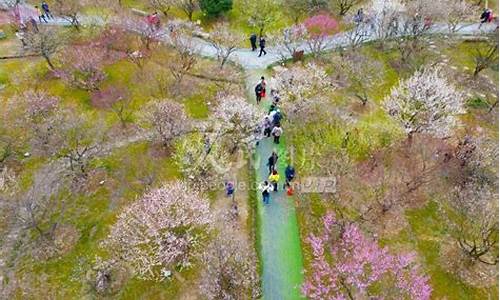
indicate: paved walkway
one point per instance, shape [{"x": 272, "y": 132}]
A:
[{"x": 280, "y": 249}]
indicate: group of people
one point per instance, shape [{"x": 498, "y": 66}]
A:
[
  {"x": 44, "y": 12},
  {"x": 271, "y": 124},
  {"x": 271, "y": 184},
  {"x": 262, "y": 44}
]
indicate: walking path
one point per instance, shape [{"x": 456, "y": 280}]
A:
[{"x": 280, "y": 250}]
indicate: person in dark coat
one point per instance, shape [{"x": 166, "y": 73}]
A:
[
  {"x": 262, "y": 45},
  {"x": 253, "y": 41},
  {"x": 272, "y": 161},
  {"x": 289, "y": 175}
]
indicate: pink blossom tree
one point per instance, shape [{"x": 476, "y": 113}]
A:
[
  {"x": 346, "y": 265},
  {"x": 82, "y": 67},
  {"x": 319, "y": 28},
  {"x": 160, "y": 231}
]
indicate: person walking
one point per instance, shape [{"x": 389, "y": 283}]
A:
[
  {"x": 262, "y": 45},
  {"x": 277, "y": 117},
  {"x": 46, "y": 10},
  {"x": 289, "y": 175},
  {"x": 274, "y": 178},
  {"x": 229, "y": 188},
  {"x": 266, "y": 189},
  {"x": 485, "y": 16},
  {"x": 272, "y": 161},
  {"x": 267, "y": 126},
  {"x": 258, "y": 92},
  {"x": 253, "y": 41},
  {"x": 277, "y": 132},
  {"x": 41, "y": 15}
]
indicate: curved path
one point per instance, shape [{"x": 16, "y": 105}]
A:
[{"x": 280, "y": 249}]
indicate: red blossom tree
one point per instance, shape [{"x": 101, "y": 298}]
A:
[
  {"x": 346, "y": 264},
  {"x": 319, "y": 28}
]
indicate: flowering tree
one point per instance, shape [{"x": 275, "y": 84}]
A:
[
  {"x": 45, "y": 42},
  {"x": 81, "y": 140},
  {"x": 234, "y": 122},
  {"x": 319, "y": 28},
  {"x": 291, "y": 40},
  {"x": 361, "y": 72},
  {"x": 82, "y": 67},
  {"x": 224, "y": 41},
  {"x": 301, "y": 87},
  {"x": 69, "y": 10},
  {"x": 455, "y": 12},
  {"x": 202, "y": 161},
  {"x": 37, "y": 111},
  {"x": 425, "y": 103},
  {"x": 147, "y": 32},
  {"x": 473, "y": 218},
  {"x": 160, "y": 231},
  {"x": 486, "y": 56},
  {"x": 346, "y": 264},
  {"x": 169, "y": 120},
  {"x": 230, "y": 271},
  {"x": 383, "y": 16},
  {"x": 114, "y": 98}
]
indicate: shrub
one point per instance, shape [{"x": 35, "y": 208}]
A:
[{"x": 214, "y": 8}]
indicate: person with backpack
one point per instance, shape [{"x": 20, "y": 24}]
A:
[
  {"x": 262, "y": 45},
  {"x": 277, "y": 132},
  {"x": 274, "y": 178},
  {"x": 277, "y": 117},
  {"x": 266, "y": 189},
  {"x": 258, "y": 92},
  {"x": 46, "y": 10},
  {"x": 272, "y": 161},
  {"x": 253, "y": 41},
  {"x": 289, "y": 175}
]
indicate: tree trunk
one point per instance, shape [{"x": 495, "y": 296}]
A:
[{"x": 49, "y": 62}]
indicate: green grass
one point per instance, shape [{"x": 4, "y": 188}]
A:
[
  {"x": 427, "y": 230},
  {"x": 196, "y": 106}
]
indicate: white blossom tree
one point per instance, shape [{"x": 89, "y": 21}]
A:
[
  {"x": 425, "y": 103},
  {"x": 456, "y": 13},
  {"x": 230, "y": 269},
  {"x": 383, "y": 16},
  {"x": 236, "y": 119},
  {"x": 168, "y": 119},
  {"x": 160, "y": 231},
  {"x": 301, "y": 87},
  {"x": 224, "y": 41},
  {"x": 290, "y": 41}
]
